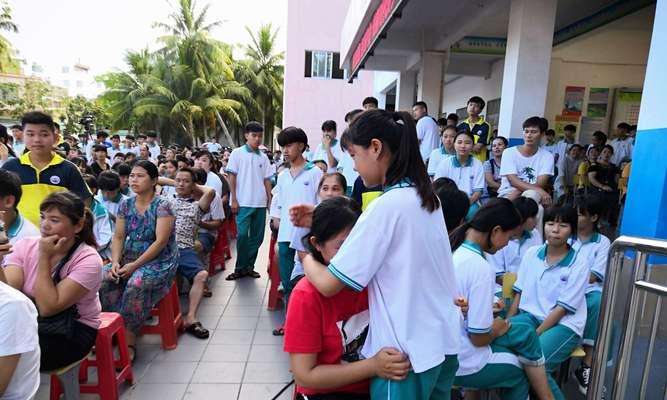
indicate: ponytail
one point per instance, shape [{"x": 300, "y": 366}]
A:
[
  {"x": 458, "y": 235},
  {"x": 497, "y": 212},
  {"x": 398, "y": 133},
  {"x": 87, "y": 235}
]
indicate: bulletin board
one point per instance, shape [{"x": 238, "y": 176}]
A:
[{"x": 626, "y": 106}]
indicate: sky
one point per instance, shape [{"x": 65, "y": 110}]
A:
[{"x": 97, "y": 33}]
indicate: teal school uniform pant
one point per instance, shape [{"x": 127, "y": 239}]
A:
[
  {"x": 502, "y": 372},
  {"x": 558, "y": 342},
  {"x": 250, "y": 223},
  {"x": 593, "y": 300},
  {"x": 433, "y": 384},
  {"x": 285, "y": 266}
]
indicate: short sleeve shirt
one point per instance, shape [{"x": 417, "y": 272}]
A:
[
  {"x": 295, "y": 190},
  {"x": 320, "y": 154},
  {"x": 436, "y": 157},
  {"x": 428, "y": 135},
  {"x": 84, "y": 268},
  {"x": 251, "y": 168},
  {"x": 527, "y": 169},
  {"x": 469, "y": 177},
  {"x": 188, "y": 214},
  {"x": 419, "y": 316},
  {"x": 20, "y": 229},
  {"x": 596, "y": 251}
]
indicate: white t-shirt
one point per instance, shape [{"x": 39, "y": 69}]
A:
[
  {"x": 213, "y": 180},
  {"x": 436, "y": 157},
  {"x": 321, "y": 154},
  {"x": 251, "y": 168},
  {"x": 596, "y": 251},
  {"x": 213, "y": 147},
  {"x": 469, "y": 177},
  {"x": 154, "y": 150},
  {"x": 527, "y": 169},
  {"x": 346, "y": 167},
  {"x": 475, "y": 281},
  {"x": 508, "y": 259},
  {"x": 544, "y": 287},
  {"x": 295, "y": 190},
  {"x": 428, "y": 136},
  {"x": 622, "y": 150},
  {"x": 411, "y": 284},
  {"x": 216, "y": 212},
  {"x": 21, "y": 228},
  {"x": 18, "y": 335}
]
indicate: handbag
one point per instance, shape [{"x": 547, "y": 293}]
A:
[{"x": 64, "y": 322}]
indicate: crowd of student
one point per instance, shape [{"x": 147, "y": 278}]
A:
[{"x": 406, "y": 230}]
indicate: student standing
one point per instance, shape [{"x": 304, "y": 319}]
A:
[
  {"x": 622, "y": 144},
  {"x": 420, "y": 317},
  {"x": 550, "y": 290},
  {"x": 465, "y": 170},
  {"x": 250, "y": 192},
  {"x": 329, "y": 150},
  {"x": 445, "y": 150},
  {"x": 427, "y": 130},
  {"x": 527, "y": 167},
  {"x": 593, "y": 246},
  {"x": 475, "y": 124}
]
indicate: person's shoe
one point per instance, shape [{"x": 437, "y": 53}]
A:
[{"x": 583, "y": 376}]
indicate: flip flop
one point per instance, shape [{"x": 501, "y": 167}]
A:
[
  {"x": 279, "y": 331},
  {"x": 207, "y": 293},
  {"x": 234, "y": 276},
  {"x": 197, "y": 330},
  {"x": 253, "y": 274}
]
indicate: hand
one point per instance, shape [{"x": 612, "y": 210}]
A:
[
  {"x": 607, "y": 188},
  {"x": 462, "y": 303},
  {"x": 545, "y": 198},
  {"x": 199, "y": 248},
  {"x": 114, "y": 272},
  {"x": 498, "y": 305},
  {"x": 477, "y": 147},
  {"x": 52, "y": 245},
  {"x": 235, "y": 206},
  {"x": 326, "y": 142},
  {"x": 4, "y": 151},
  {"x": 301, "y": 215},
  {"x": 126, "y": 270},
  {"x": 500, "y": 326},
  {"x": 391, "y": 364},
  {"x": 5, "y": 249}
]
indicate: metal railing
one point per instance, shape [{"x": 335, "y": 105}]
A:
[{"x": 627, "y": 288}]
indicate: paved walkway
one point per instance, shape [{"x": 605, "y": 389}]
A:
[{"x": 241, "y": 359}]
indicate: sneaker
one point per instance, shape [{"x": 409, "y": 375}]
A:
[{"x": 582, "y": 375}]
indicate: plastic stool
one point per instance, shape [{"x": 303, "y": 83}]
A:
[
  {"x": 221, "y": 250},
  {"x": 64, "y": 381},
  {"x": 274, "y": 276},
  {"x": 170, "y": 321}
]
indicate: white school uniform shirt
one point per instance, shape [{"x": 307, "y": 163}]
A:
[
  {"x": 213, "y": 180},
  {"x": 18, "y": 335},
  {"x": 428, "y": 135},
  {"x": 469, "y": 177},
  {"x": 411, "y": 284},
  {"x": 251, "y": 169},
  {"x": 475, "y": 281},
  {"x": 154, "y": 150},
  {"x": 321, "y": 154},
  {"x": 596, "y": 251},
  {"x": 527, "y": 169},
  {"x": 436, "y": 157},
  {"x": 274, "y": 209},
  {"x": 292, "y": 190},
  {"x": 296, "y": 243},
  {"x": 215, "y": 212},
  {"x": 544, "y": 287},
  {"x": 622, "y": 150},
  {"x": 508, "y": 259},
  {"x": 346, "y": 167},
  {"x": 112, "y": 205},
  {"x": 20, "y": 229},
  {"x": 111, "y": 152}
]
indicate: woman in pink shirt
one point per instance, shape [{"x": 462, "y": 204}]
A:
[{"x": 66, "y": 227}]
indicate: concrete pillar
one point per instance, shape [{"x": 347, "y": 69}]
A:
[
  {"x": 645, "y": 212},
  {"x": 405, "y": 90},
  {"x": 431, "y": 75},
  {"x": 527, "y": 60}
]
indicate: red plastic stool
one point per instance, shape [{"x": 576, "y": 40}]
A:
[
  {"x": 274, "y": 277},
  {"x": 111, "y": 372},
  {"x": 170, "y": 321},
  {"x": 232, "y": 227},
  {"x": 221, "y": 250}
]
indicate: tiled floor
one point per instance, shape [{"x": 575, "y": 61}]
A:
[{"x": 241, "y": 359}]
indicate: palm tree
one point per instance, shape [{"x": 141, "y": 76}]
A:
[
  {"x": 7, "y": 61},
  {"x": 267, "y": 83}
]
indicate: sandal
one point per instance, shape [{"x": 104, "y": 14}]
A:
[
  {"x": 279, "y": 331},
  {"x": 234, "y": 276},
  {"x": 197, "y": 330},
  {"x": 253, "y": 274},
  {"x": 207, "y": 292}
]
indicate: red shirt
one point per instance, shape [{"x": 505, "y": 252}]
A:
[{"x": 311, "y": 327}]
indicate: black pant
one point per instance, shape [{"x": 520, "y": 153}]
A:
[
  {"x": 58, "y": 351},
  {"x": 336, "y": 396}
]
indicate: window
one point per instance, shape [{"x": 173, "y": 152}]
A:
[{"x": 323, "y": 64}]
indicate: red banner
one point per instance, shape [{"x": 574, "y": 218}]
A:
[{"x": 380, "y": 17}]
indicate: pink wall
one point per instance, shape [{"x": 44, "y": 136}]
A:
[{"x": 316, "y": 25}]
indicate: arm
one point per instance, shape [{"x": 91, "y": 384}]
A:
[
  {"x": 232, "y": 193},
  {"x": 7, "y": 367},
  {"x": 552, "y": 319},
  {"x": 514, "y": 308},
  {"x": 595, "y": 183},
  {"x": 118, "y": 241},
  {"x": 500, "y": 327},
  {"x": 475, "y": 196},
  {"x": 325, "y": 283},
  {"x": 49, "y": 298},
  {"x": 207, "y": 196},
  {"x": 162, "y": 233},
  {"x": 331, "y": 160},
  {"x": 490, "y": 182},
  {"x": 267, "y": 188},
  {"x": 542, "y": 181}
]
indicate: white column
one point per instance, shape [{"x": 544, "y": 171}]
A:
[
  {"x": 431, "y": 74},
  {"x": 527, "y": 60},
  {"x": 405, "y": 90}
]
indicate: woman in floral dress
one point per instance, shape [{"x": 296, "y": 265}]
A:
[{"x": 144, "y": 253}]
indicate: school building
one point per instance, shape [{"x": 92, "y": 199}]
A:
[{"x": 592, "y": 63}]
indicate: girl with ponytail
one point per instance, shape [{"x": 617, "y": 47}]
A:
[
  {"x": 493, "y": 349},
  {"x": 59, "y": 269},
  {"x": 390, "y": 250}
]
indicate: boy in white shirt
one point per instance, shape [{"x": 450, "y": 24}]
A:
[
  {"x": 250, "y": 194},
  {"x": 527, "y": 167},
  {"x": 16, "y": 226},
  {"x": 329, "y": 150},
  {"x": 109, "y": 194},
  {"x": 622, "y": 144},
  {"x": 427, "y": 130}
]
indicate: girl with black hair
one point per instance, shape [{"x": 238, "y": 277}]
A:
[
  {"x": 495, "y": 353},
  {"x": 550, "y": 289},
  {"x": 312, "y": 335},
  {"x": 593, "y": 246},
  {"x": 390, "y": 250},
  {"x": 464, "y": 169}
]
